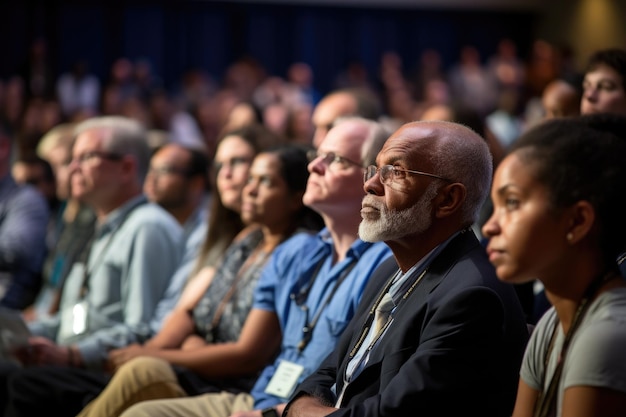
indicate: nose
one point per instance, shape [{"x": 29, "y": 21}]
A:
[
  {"x": 225, "y": 171},
  {"x": 590, "y": 94},
  {"x": 374, "y": 186},
  {"x": 316, "y": 166},
  {"x": 251, "y": 188},
  {"x": 73, "y": 166},
  {"x": 491, "y": 227}
]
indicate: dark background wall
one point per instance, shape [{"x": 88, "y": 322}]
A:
[{"x": 175, "y": 36}]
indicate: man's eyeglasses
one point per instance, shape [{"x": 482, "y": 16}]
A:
[
  {"x": 88, "y": 156},
  {"x": 331, "y": 159},
  {"x": 391, "y": 173}
]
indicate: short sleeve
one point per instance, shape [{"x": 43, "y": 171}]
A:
[
  {"x": 533, "y": 365},
  {"x": 596, "y": 357}
]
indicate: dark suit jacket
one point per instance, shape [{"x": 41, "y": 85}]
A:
[{"x": 454, "y": 347}]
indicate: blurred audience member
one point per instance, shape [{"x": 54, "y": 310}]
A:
[
  {"x": 342, "y": 103},
  {"x": 24, "y": 217},
  {"x": 78, "y": 91},
  {"x": 471, "y": 83},
  {"x": 507, "y": 68},
  {"x": 181, "y": 126},
  {"x": 604, "y": 86},
  {"x": 74, "y": 224},
  {"x": 562, "y": 97}
]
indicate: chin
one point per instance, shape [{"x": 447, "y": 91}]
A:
[
  {"x": 513, "y": 277},
  {"x": 367, "y": 232}
]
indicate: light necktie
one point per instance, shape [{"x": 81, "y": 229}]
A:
[{"x": 381, "y": 316}]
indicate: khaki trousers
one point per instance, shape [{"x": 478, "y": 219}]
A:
[
  {"x": 221, "y": 404},
  {"x": 138, "y": 380}
]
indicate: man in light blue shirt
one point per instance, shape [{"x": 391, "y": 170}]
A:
[
  {"x": 109, "y": 299},
  {"x": 177, "y": 180},
  {"x": 306, "y": 294}
]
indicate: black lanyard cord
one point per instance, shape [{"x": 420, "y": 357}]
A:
[{"x": 307, "y": 330}]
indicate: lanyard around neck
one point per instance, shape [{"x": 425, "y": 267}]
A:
[
  {"x": 84, "y": 287},
  {"x": 546, "y": 402},
  {"x": 307, "y": 330}
]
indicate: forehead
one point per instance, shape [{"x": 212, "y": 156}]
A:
[
  {"x": 266, "y": 163},
  {"x": 344, "y": 140},
  {"x": 515, "y": 171},
  {"x": 602, "y": 71},
  {"x": 232, "y": 146},
  {"x": 170, "y": 154},
  {"x": 332, "y": 107},
  {"x": 408, "y": 143},
  {"x": 92, "y": 139}
]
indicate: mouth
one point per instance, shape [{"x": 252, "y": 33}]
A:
[
  {"x": 311, "y": 183},
  {"x": 369, "y": 212},
  {"x": 495, "y": 255}
]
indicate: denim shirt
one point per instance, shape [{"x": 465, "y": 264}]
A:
[{"x": 290, "y": 271}]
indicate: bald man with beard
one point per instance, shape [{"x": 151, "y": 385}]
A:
[{"x": 443, "y": 337}]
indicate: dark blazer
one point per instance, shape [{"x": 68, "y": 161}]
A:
[{"x": 454, "y": 347}]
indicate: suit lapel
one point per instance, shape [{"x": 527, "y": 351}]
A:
[{"x": 434, "y": 275}]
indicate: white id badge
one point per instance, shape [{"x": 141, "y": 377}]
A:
[
  {"x": 285, "y": 379},
  {"x": 74, "y": 320}
]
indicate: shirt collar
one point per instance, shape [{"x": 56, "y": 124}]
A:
[
  {"x": 117, "y": 216},
  {"x": 356, "y": 250}
]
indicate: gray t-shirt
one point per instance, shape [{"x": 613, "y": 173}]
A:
[{"x": 597, "y": 353}]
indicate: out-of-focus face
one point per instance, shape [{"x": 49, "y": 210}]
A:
[
  {"x": 327, "y": 111},
  {"x": 335, "y": 185},
  {"x": 59, "y": 158},
  {"x": 603, "y": 92},
  {"x": 559, "y": 99},
  {"x": 402, "y": 206},
  {"x": 167, "y": 182},
  {"x": 35, "y": 175},
  {"x": 232, "y": 163},
  {"x": 527, "y": 236},
  {"x": 95, "y": 172},
  {"x": 267, "y": 199}
]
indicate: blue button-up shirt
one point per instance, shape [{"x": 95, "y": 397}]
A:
[{"x": 289, "y": 272}]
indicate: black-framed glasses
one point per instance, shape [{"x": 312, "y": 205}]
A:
[
  {"x": 88, "y": 156},
  {"x": 391, "y": 173},
  {"x": 331, "y": 159}
]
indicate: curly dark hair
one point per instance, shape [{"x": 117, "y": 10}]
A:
[
  {"x": 613, "y": 57},
  {"x": 582, "y": 158}
]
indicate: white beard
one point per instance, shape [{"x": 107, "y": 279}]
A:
[{"x": 393, "y": 224}]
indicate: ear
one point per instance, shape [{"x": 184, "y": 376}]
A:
[
  {"x": 582, "y": 218},
  {"x": 449, "y": 200},
  {"x": 129, "y": 168}
]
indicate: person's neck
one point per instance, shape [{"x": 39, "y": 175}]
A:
[
  {"x": 104, "y": 209},
  {"x": 182, "y": 213},
  {"x": 343, "y": 233},
  {"x": 567, "y": 284},
  {"x": 72, "y": 207},
  {"x": 272, "y": 238},
  {"x": 409, "y": 250}
]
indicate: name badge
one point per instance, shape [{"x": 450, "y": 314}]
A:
[
  {"x": 285, "y": 379},
  {"x": 74, "y": 320}
]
